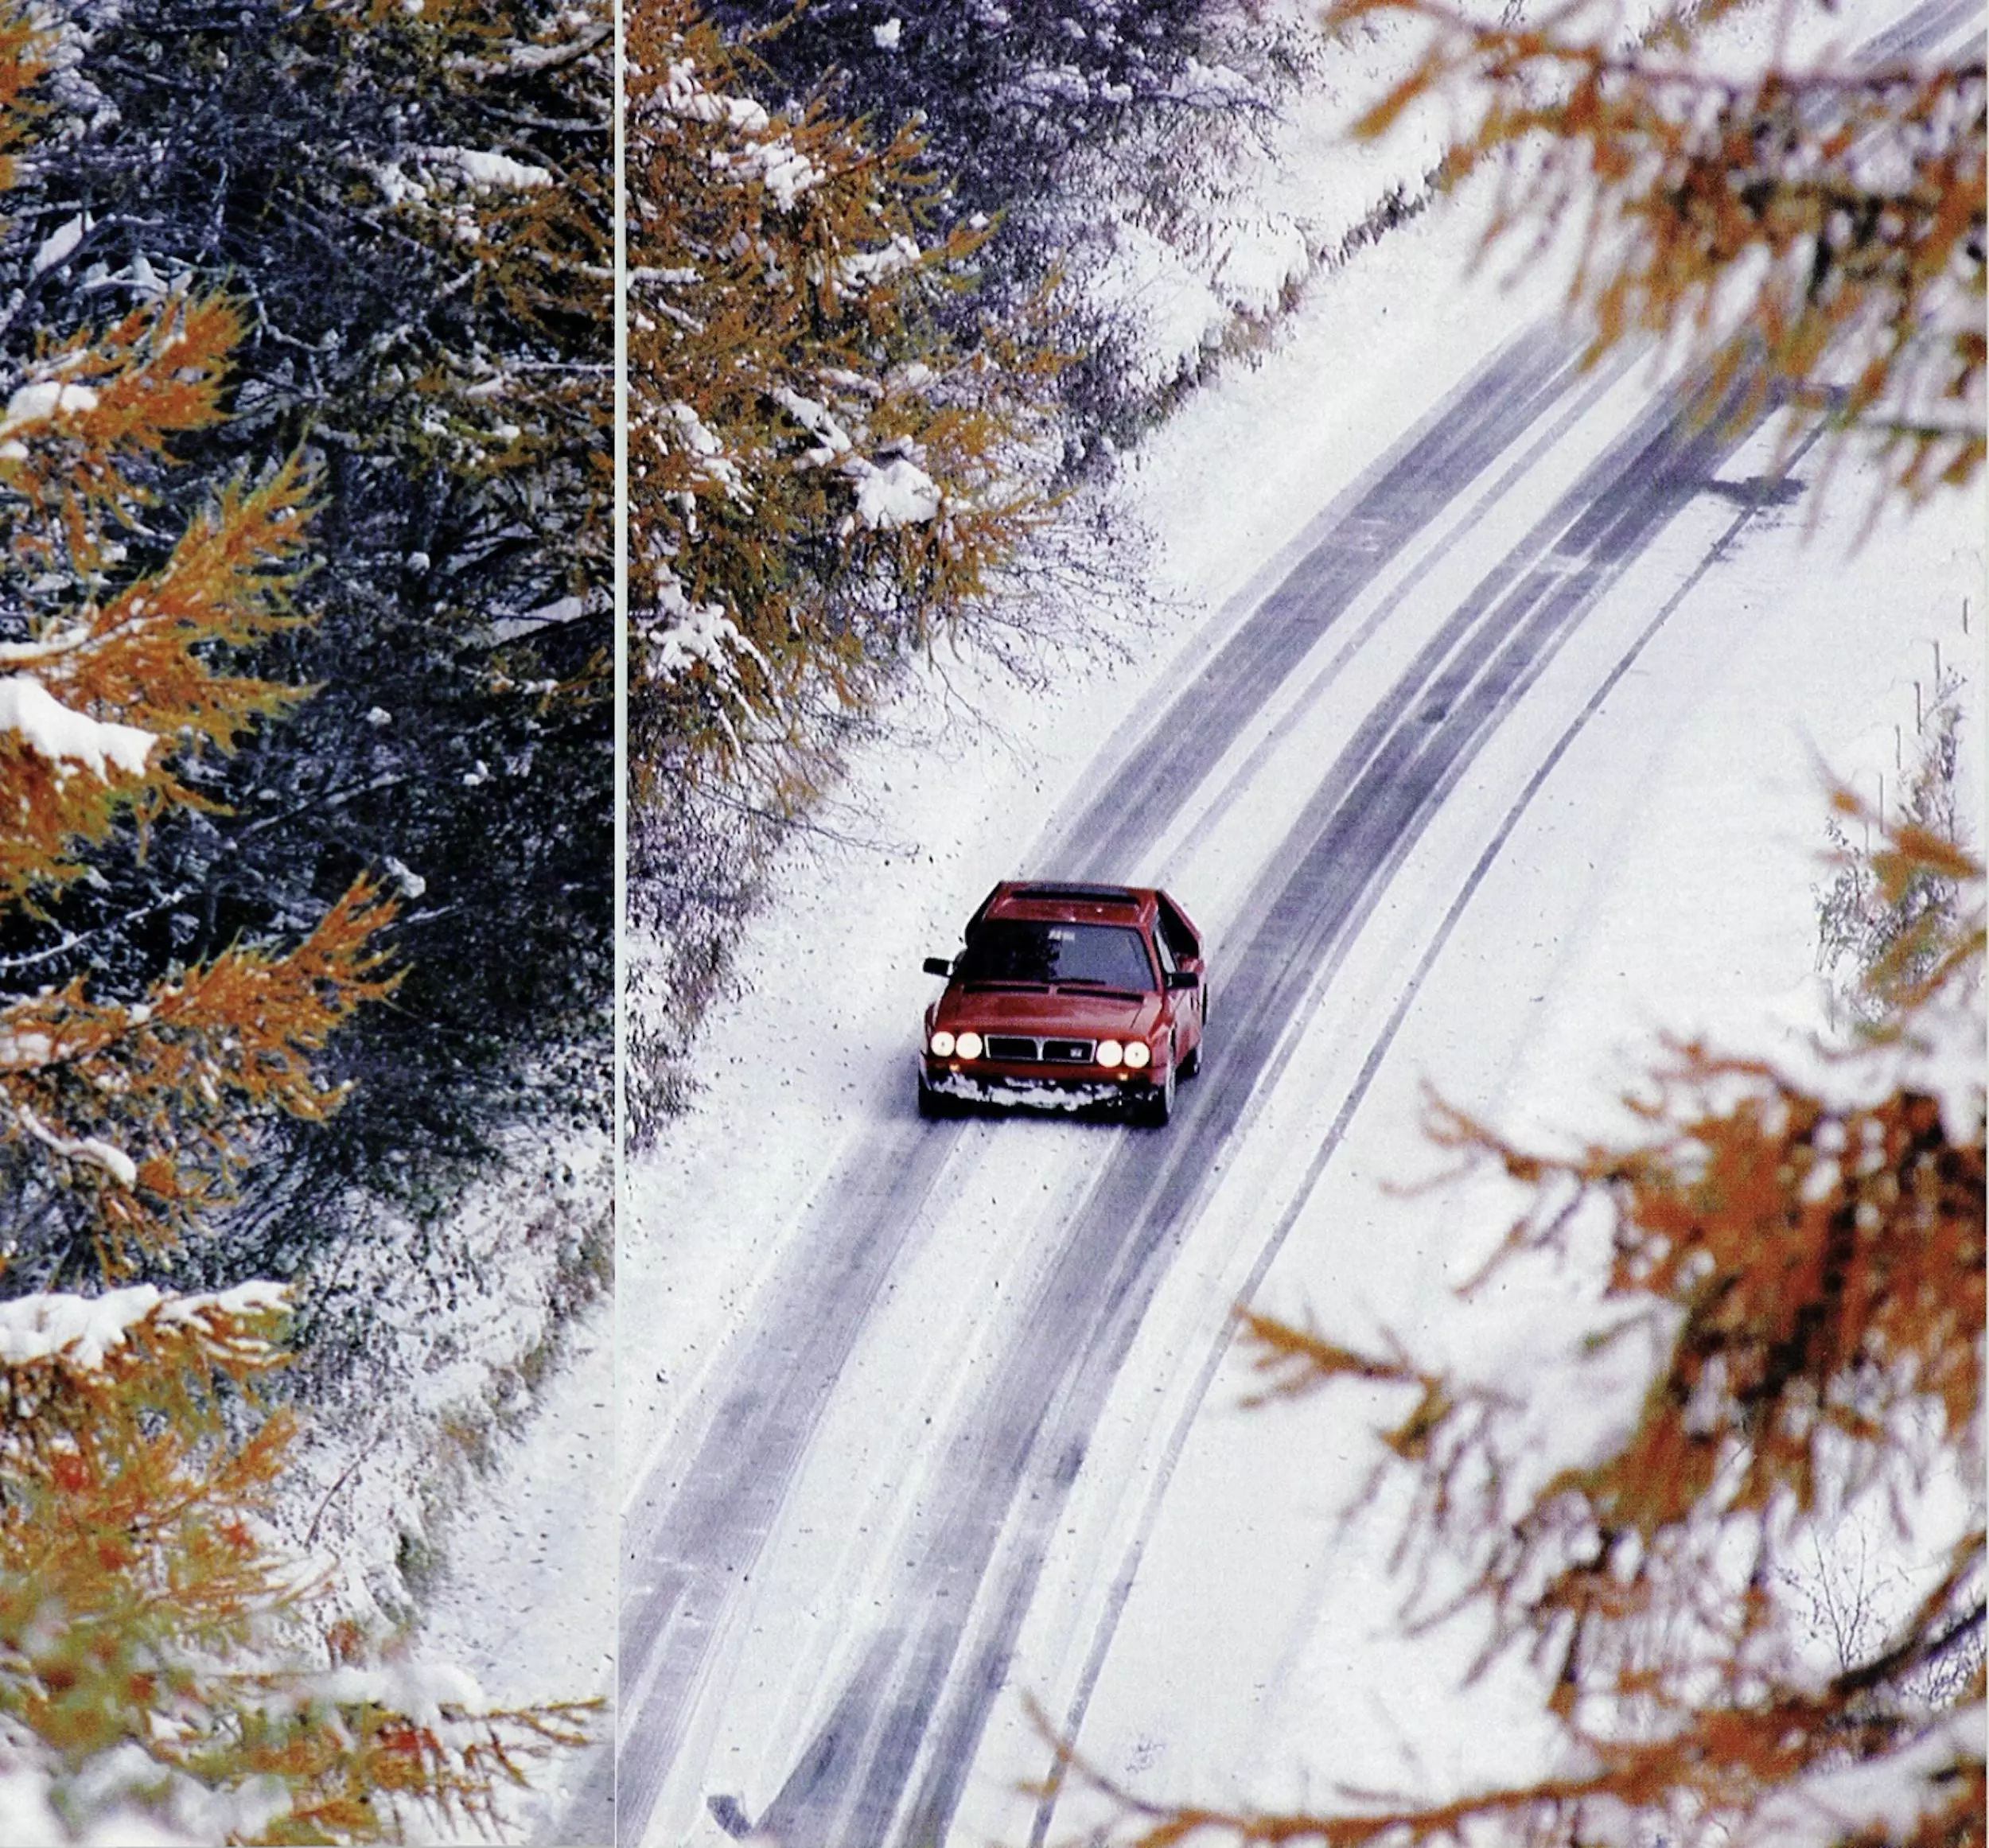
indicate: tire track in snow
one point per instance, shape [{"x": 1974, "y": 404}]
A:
[
  {"x": 911, "y": 1718},
  {"x": 696, "y": 1527},
  {"x": 1122, "y": 1582}
]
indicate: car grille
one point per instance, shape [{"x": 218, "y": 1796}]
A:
[{"x": 1021, "y": 1051}]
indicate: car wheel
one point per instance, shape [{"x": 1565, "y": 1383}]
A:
[
  {"x": 1158, "y": 1105},
  {"x": 933, "y": 1105},
  {"x": 1192, "y": 1064}
]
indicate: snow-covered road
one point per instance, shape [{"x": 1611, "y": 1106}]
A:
[
  {"x": 836, "y": 1534},
  {"x": 887, "y": 1762},
  {"x": 1359, "y": 772}
]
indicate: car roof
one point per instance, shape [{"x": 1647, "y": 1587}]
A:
[{"x": 1070, "y": 901}]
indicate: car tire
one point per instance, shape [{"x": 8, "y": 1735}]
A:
[
  {"x": 935, "y": 1106},
  {"x": 1191, "y": 1066},
  {"x": 1158, "y": 1105}
]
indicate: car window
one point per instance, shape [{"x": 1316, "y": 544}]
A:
[
  {"x": 1010, "y": 949},
  {"x": 1175, "y": 928},
  {"x": 1167, "y": 963}
]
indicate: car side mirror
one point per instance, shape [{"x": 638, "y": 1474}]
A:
[
  {"x": 1183, "y": 978},
  {"x": 938, "y": 966}
]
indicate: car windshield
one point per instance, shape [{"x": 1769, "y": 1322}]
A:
[{"x": 1014, "y": 949}]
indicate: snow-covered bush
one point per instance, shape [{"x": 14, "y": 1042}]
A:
[{"x": 1878, "y": 936}]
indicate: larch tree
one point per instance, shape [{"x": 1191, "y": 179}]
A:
[
  {"x": 166, "y": 1672},
  {"x": 1787, "y": 1334},
  {"x": 1816, "y": 230},
  {"x": 410, "y": 208},
  {"x": 822, "y": 476},
  {"x": 817, "y": 474}
]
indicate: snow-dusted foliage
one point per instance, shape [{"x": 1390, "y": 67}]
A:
[
  {"x": 409, "y": 205},
  {"x": 114, "y": 1106},
  {"x": 820, "y": 473},
  {"x": 161, "y": 1681},
  {"x": 1090, "y": 134},
  {"x": 166, "y": 1673},
  {"x": 1814, "y": 230},
  {"x": 1755, "y": 1331},
  {"x": 172, "y": 1666},
  {"x": 1875, "y": 936},
  {"x": 815, "y": 472}
]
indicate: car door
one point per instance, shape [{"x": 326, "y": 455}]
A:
[{"x": 1182, "y": 943}]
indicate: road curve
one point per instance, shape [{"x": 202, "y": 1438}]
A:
[
  {"x": 888, "y": 1766},
  {"x": 696, "y": 1525}
]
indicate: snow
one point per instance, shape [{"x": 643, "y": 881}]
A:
[
  {"x": 83, "y": 1330},
  {"x": 1217, "y": 1614},
  {"x": 713, "y": 463},
  {"x": 490, "y": 171},
  {"x": 867, "y": 268},
  {"x": 479, "y": 1440},
  {"x": 1261, "y": 260},
  {"x": 780, "y": 167},
  {"x": 817, "y": 419},
  {"x": 530, "y": 1606},
  {"x": 112, "y": 1161},
  {"x": 688, "y": 634},
  {"x": 1883, "y": 1801},
  {"x": 683, "y": 95},
  {"x": 1659, "y": 880},
  {"x": 59, "y": 734},
  {"x": 901, "y": 493},
  {"x": 412, "y": 885},
  {"x": 45, "y": 399},
  {"x": 60, "y": 244}
]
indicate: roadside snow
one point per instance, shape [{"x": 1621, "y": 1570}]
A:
[
  {"x": 463, "y": 1483},
  {"x": 529, "y": 1604}
]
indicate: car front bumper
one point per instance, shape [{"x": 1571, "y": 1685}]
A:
[{"x": 1003, "y": 1089}]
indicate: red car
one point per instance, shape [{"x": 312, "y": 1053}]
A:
[{"x": 1067, "y": 996}]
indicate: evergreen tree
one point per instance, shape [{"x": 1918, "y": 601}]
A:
[
  {"x": 410, "y": 207},
  {"x": 1820, "y": 231},
  {"x": 161, "y": 1672}
]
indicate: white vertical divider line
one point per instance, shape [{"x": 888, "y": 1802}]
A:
[{"x": 619, "y": 300}]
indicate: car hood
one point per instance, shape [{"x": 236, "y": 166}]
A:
[{"x": 1070, "y": 1011}]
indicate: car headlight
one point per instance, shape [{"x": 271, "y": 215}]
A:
[
  {"x": 940, "y": 1045},
  {"x": 1138, "y": 1054},
  {"x": 968, "y": 1045},
  {"x": 1110, "y": 1052}
]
